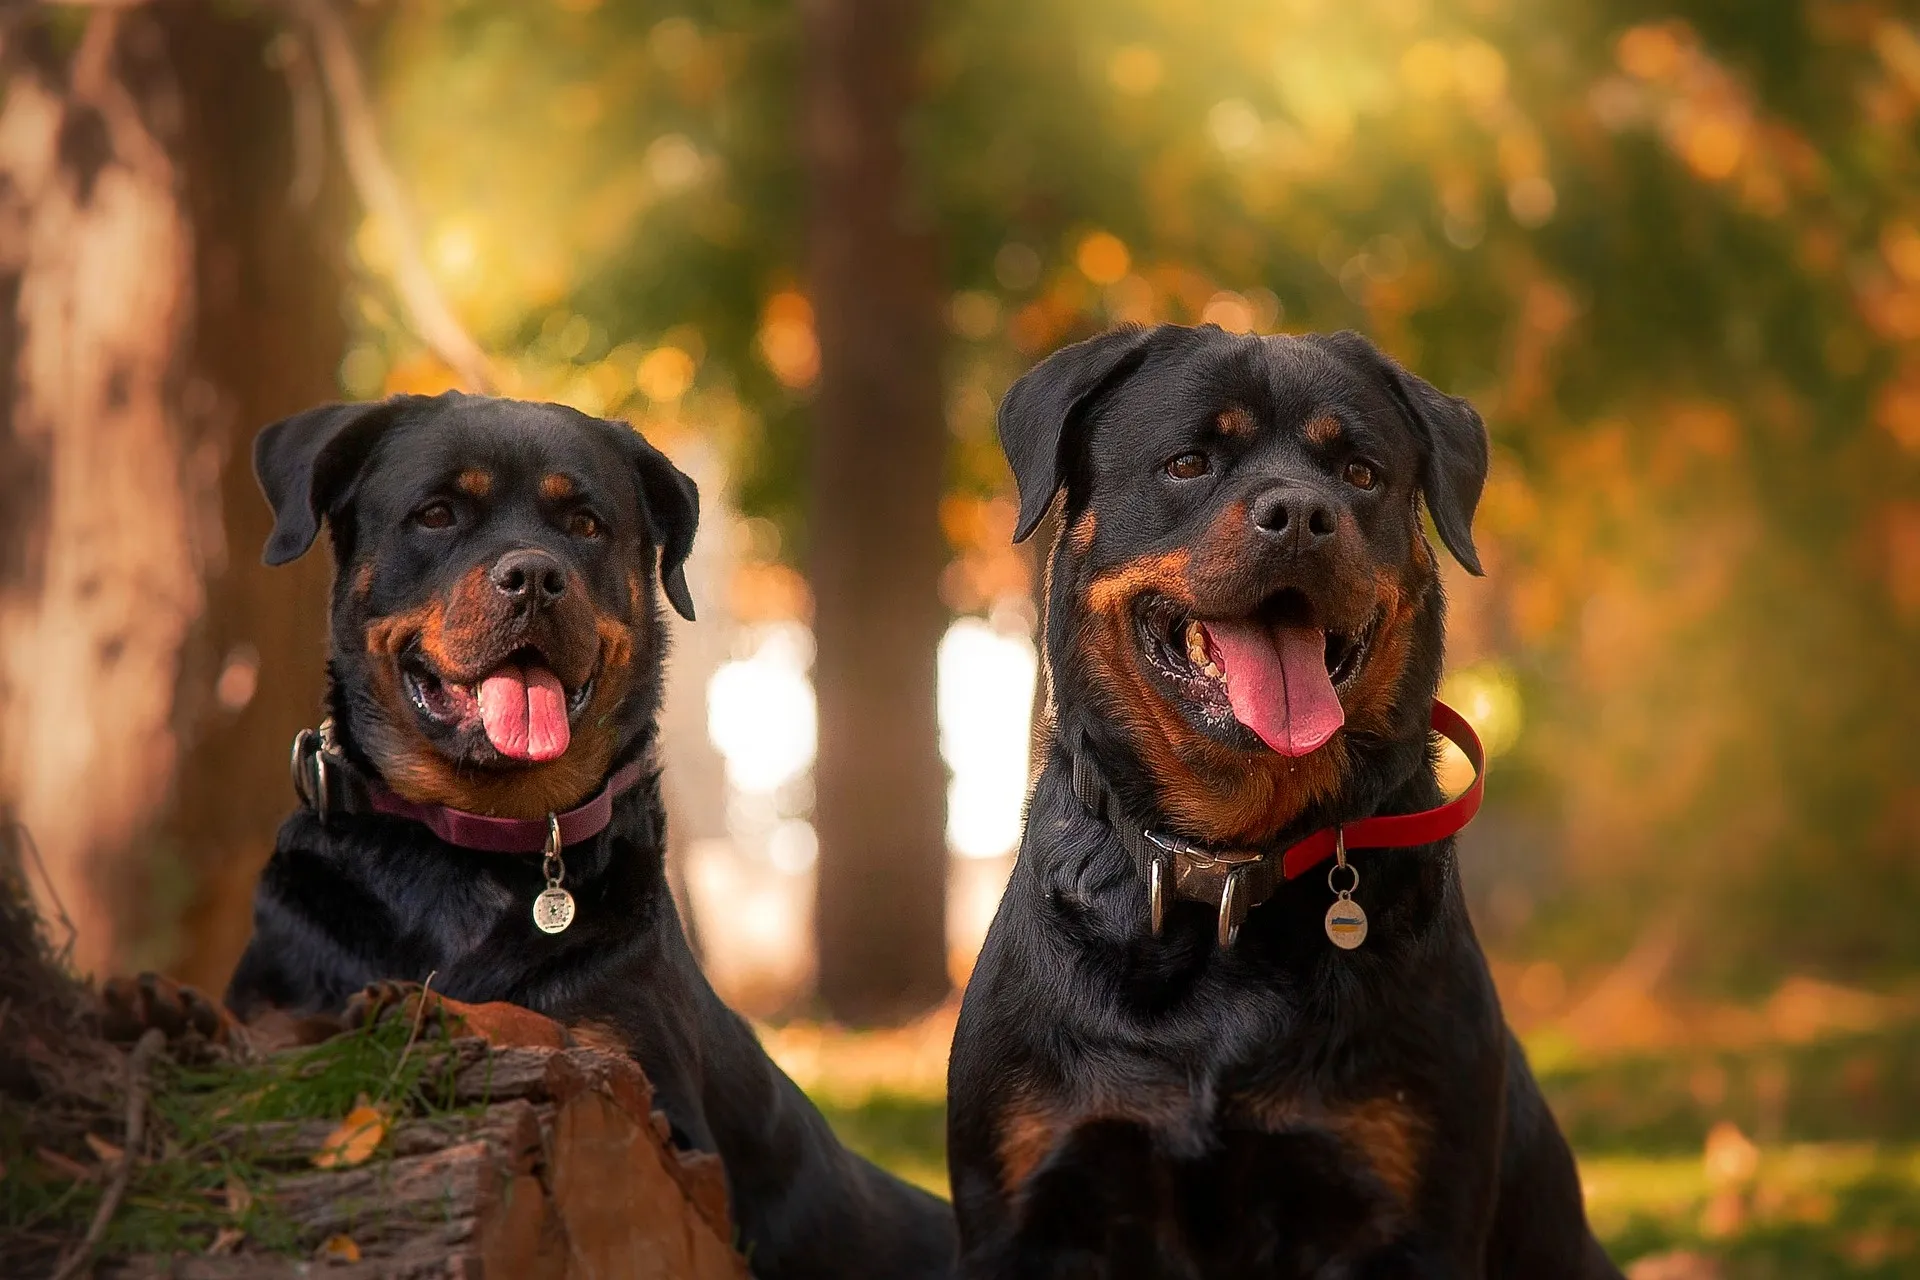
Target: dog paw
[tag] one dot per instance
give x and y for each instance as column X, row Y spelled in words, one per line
column 183, row 1014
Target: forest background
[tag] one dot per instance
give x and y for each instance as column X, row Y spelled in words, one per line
column 1670, row 249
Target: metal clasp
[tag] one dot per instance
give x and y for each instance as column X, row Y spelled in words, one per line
column 1340, row 863
column 1232, row 910
column 1158, row 873
column 551, row 866
column 1157, row 894
column 312, row 751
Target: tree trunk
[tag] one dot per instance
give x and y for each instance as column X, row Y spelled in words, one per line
column 879, row 455
column 166, row 300
column 101, row 549
column 270, row 217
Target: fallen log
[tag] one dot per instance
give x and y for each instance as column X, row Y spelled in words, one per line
column 389, row 1150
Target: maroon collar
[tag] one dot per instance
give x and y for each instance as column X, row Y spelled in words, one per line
column 328, row 783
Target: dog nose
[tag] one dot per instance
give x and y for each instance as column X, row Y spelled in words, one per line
column 1300, row 514
column 531, row 578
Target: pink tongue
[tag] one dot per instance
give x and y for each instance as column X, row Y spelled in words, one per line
column 1277, row 682
column 525, row 713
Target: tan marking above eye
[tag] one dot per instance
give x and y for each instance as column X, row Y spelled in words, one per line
column 1323, row 430
column 474, row 482
column 1236, row 422
column 556, row 486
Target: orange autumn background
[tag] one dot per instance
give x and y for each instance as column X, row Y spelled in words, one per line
column 1670, row 250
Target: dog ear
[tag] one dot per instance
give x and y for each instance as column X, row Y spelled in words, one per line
column 303, row 462
column 1040, row 410
column 1453, row 461
column 672, row 503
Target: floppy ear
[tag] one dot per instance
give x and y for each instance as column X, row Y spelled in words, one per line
column 1453, row 461
column 1047, row 400
column 672, row 501
column 304, row 461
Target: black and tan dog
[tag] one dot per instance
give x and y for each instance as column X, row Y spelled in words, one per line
column 496, row 647
column 1156, row 1073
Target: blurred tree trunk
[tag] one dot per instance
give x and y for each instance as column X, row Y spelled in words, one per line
column 159, row 302
column 879, row 455
column 100, row 579
column 270, row 220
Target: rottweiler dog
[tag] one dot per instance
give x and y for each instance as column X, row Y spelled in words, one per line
column 1164, row 1064
column 496, row 643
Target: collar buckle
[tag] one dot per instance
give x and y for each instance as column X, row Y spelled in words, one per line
column 315, row 755
column 1233, row 881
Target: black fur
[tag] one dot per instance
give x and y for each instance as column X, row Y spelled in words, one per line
column 366, row 899
column 1196, row 1108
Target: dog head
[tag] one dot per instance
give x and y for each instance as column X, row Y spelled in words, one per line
column 1242, row 591
column 495, row 635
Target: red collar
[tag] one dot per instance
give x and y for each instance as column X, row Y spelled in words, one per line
column 1233, row 881
column 1402, row 830
column 328, row 783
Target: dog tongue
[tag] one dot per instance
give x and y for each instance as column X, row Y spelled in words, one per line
column 1277, row 682
column 525, row 713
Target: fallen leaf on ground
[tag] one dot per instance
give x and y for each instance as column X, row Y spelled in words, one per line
column 338, row 1249
column 65, row 1166
column 103, row 1150
column 239, row 1198
column 226, row 1241
column 356, row 1138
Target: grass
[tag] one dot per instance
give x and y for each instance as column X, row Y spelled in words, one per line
column 222, row 1145
column 1779, row 1141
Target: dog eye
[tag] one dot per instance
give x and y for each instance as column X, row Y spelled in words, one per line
column 435, row 515
column 1360, row 475
column 1189, row 466
column 584, row 524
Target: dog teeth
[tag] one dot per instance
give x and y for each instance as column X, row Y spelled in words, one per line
column 1196, row 637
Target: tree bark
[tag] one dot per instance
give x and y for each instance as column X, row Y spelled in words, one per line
column 100, row 554
column 879, row 455
column 165, row 300
column 270, row 218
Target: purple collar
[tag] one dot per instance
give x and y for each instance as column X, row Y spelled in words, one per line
column 328, row 784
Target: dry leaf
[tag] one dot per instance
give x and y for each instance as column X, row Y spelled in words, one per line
column 239, row 1198
column 226, row 1242
column 65, row 1166
column 356, row 1138
column 104, row 1151
column 338, row 1249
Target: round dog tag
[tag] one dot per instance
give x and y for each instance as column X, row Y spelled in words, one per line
column 553, row 909
column 1346, row 923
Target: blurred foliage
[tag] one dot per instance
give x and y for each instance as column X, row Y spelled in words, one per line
column 1672, row 251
